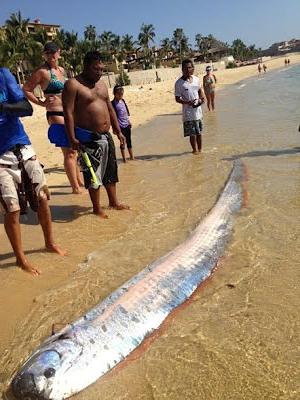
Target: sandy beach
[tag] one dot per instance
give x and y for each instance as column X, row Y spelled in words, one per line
column 145, row 102
column 75, row 228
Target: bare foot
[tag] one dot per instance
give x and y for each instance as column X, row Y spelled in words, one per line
column 27, row 267
column 195, row 152
column 100, row 213
column 119, row 207
column 132, row 159
column 77, row 191
column 54, row 248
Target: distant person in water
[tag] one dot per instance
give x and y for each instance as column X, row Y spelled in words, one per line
column 285, row 62
column 209, row 86
column 22, row 179
column 259, row 68
column 264, row 68
column 51, row 77
column 87, row 105
column 123, row 114
column 189, row 93
column 288, row 61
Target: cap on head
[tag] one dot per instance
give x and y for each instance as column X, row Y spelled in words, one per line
column 208, row 68
column 51, row 47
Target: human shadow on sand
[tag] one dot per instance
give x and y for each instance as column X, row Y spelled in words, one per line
column 59, row 214
column 57, row 170
column 263, row 153
column 60, row 192
column 168, row 115
column 12, row 264
column 150, row 157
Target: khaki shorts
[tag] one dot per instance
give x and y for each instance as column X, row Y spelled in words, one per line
column 11, row 177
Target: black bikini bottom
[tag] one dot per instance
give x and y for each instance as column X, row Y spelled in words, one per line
column 54, row 113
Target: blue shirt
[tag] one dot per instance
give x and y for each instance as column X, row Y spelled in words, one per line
column 11, row 129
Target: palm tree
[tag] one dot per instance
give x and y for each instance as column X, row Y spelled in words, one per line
column 18, row 43
column 128, row 43
column 180, row 42
column 239, row 49
column 146, row 36
column 106, row 44
column 204, row 44
column 16, row 22
column 90, row 33
column 70, row 49
column 166, row 47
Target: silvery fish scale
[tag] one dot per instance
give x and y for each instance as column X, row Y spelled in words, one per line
column 82, row 352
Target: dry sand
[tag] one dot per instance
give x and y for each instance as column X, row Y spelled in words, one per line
column 19, row 289
column 145, row 103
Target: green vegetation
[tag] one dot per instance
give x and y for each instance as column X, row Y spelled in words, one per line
column 123, row 78
column 231, row 64
column 21, row 50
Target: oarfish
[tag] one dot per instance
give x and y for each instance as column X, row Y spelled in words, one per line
column 83, row 351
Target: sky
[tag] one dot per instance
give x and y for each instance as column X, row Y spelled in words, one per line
column 259, row 22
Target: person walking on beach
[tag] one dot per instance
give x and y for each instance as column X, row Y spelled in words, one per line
column 259, row 68
column 21, row 175
column 189, row 93
column 264, row 68
column 87, row 106
column 122, row 112
column 51, row 77
column 209, row 85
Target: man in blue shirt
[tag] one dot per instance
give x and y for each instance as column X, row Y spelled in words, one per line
column 22, row 178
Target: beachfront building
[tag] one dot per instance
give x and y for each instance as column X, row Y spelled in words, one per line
column 280, row 48
column 213, row 54
column 50, row 29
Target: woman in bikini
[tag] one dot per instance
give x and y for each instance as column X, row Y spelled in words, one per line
column 51, row 79
column 209, row 85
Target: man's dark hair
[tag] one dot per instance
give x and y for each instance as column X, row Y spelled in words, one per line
column 116, row 88
column 186, row 62
column 91, row 57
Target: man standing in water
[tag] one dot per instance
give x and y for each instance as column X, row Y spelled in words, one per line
column 87, row 105
column 189, row 93
column 21, row 175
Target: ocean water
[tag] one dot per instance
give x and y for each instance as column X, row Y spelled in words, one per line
column 239, row 338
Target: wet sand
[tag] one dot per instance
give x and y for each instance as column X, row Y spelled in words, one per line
column 230, row 343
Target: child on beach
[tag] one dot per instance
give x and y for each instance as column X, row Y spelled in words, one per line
column 122, row 112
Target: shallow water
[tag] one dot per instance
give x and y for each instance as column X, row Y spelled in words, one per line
column 237, row 341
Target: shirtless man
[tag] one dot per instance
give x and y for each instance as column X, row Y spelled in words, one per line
column 87, row 106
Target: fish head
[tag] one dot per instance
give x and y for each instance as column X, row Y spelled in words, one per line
column 35, row 380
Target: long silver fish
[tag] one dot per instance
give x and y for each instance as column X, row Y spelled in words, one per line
column 82, row 352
